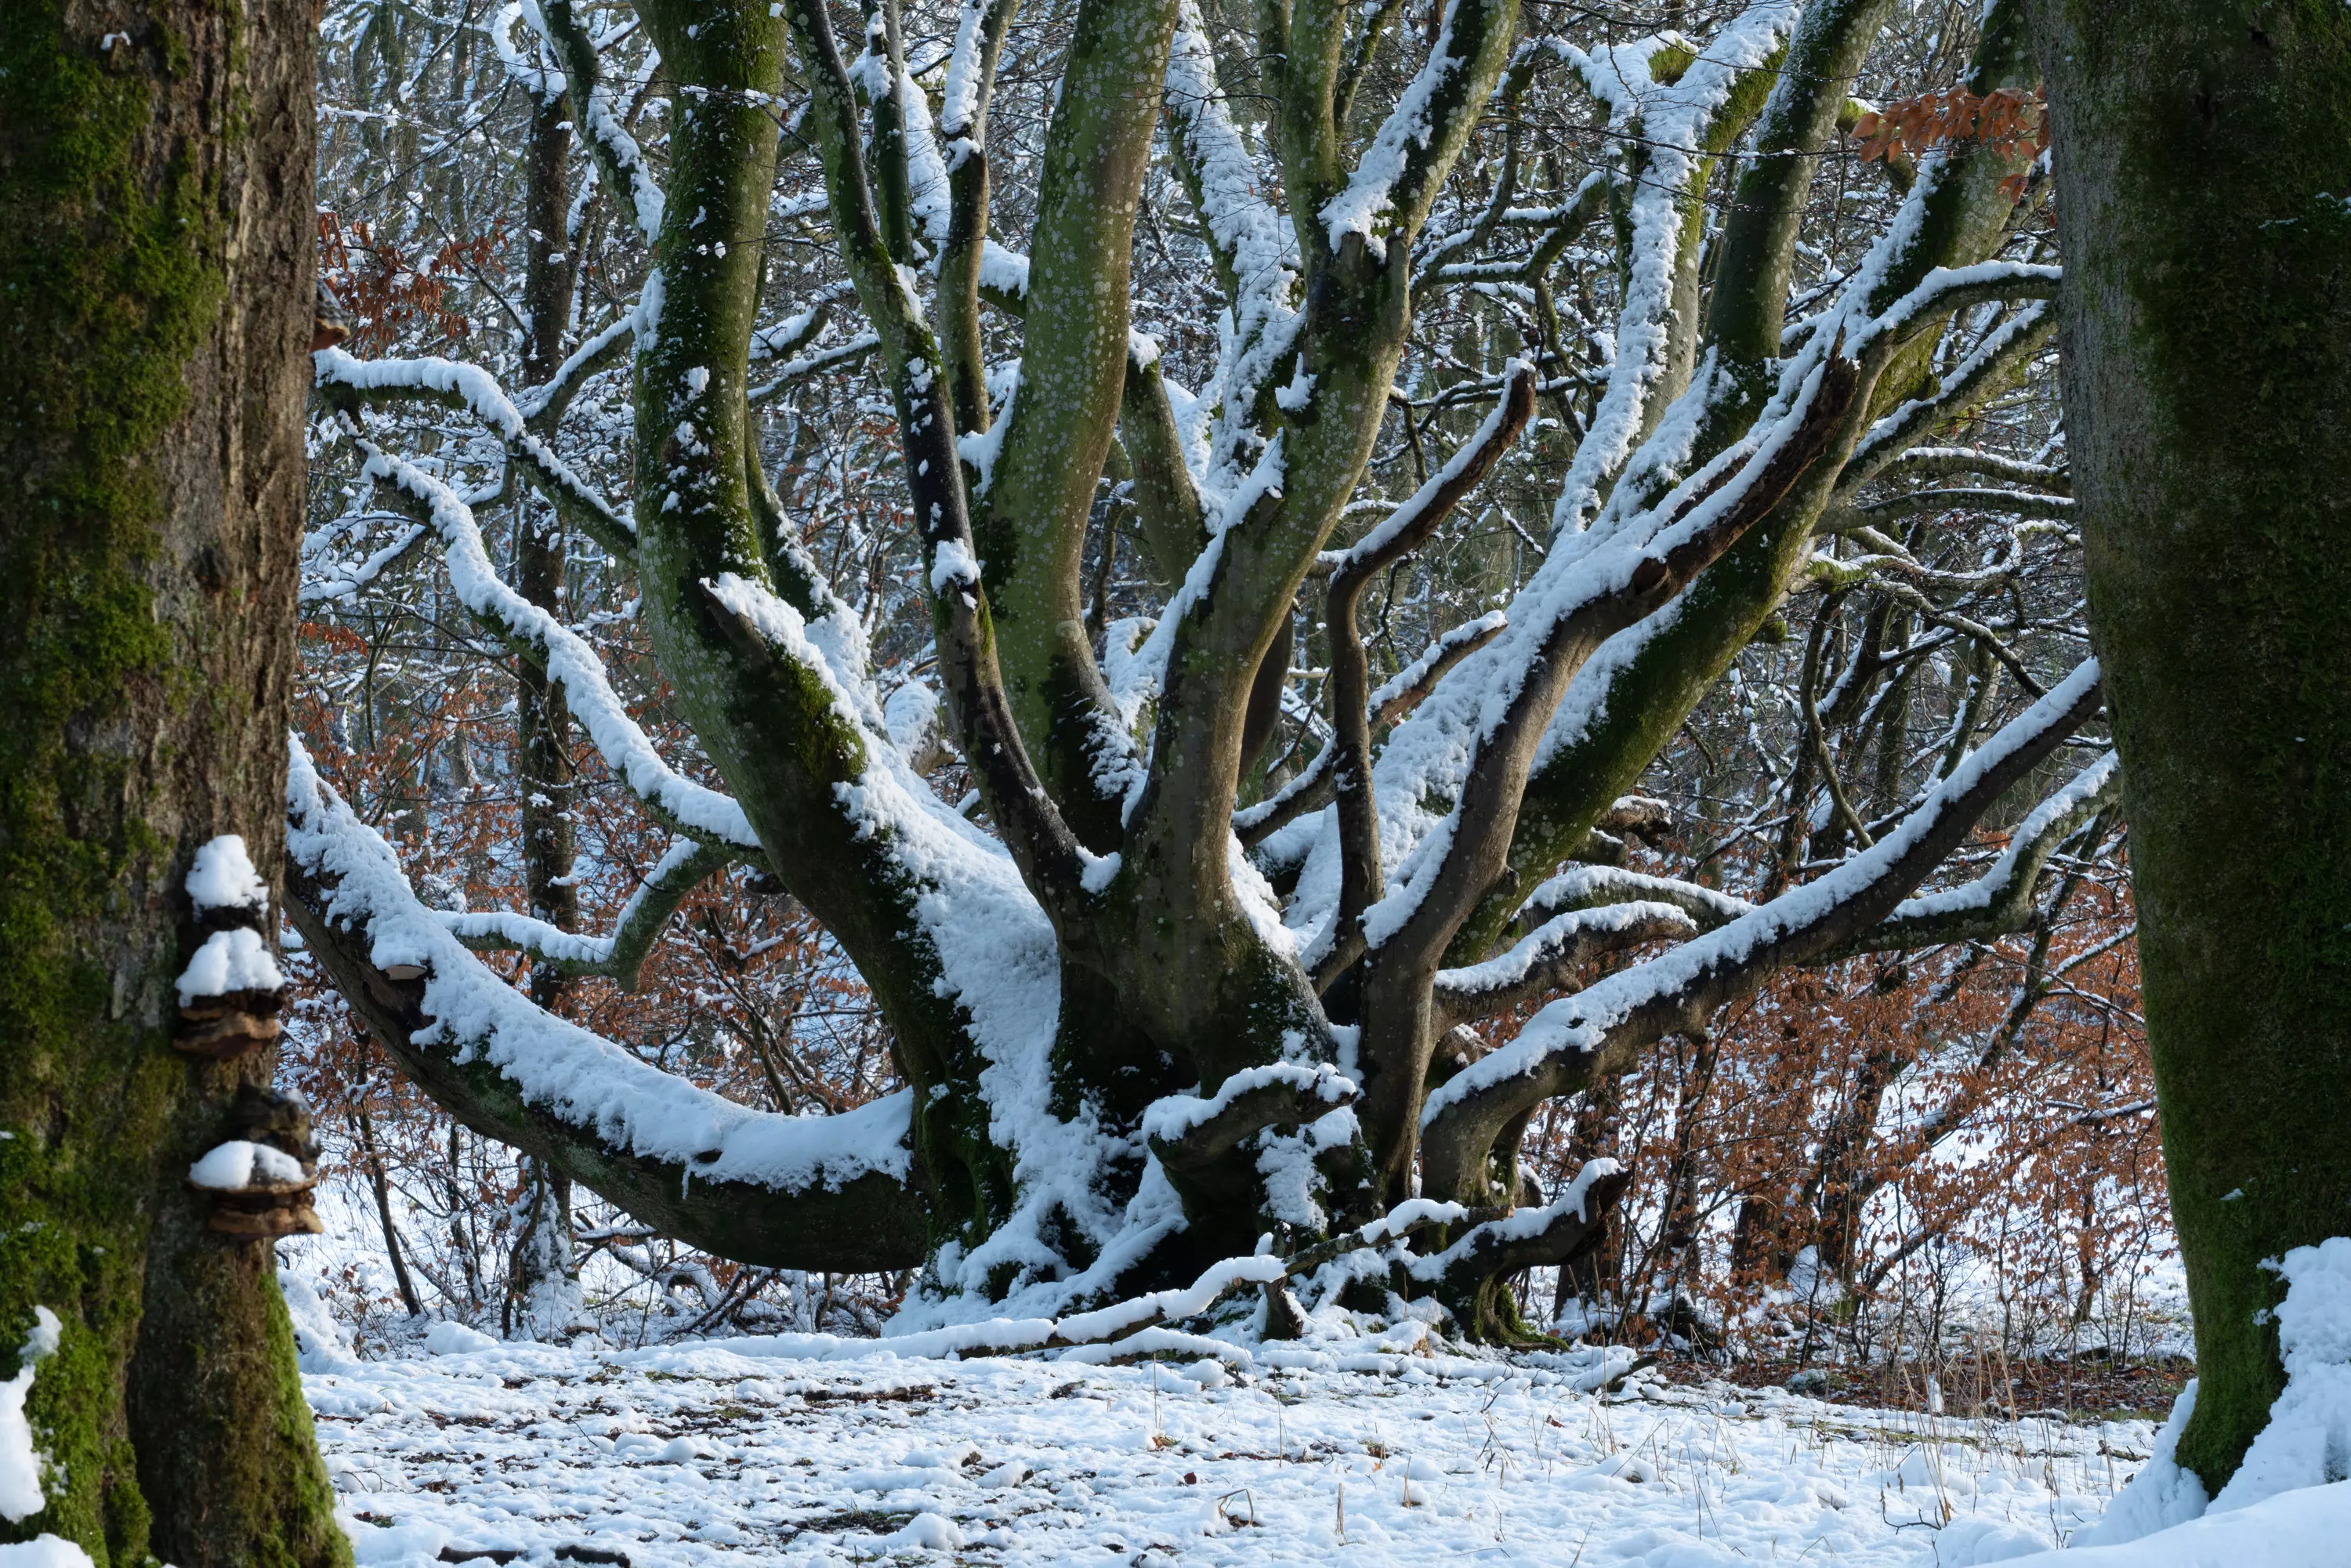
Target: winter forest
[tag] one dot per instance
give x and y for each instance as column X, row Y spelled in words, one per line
column 1210, row 781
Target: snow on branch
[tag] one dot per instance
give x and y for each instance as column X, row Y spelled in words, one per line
column 530, row 73
column 1194, row 1136
column 1550, row 956
column 1598, row 1030
column 617, row 153
column 1390, row 701
column 2012, row 341
column 2000, row 901
column 1559, row 1232
column 352, row 897
column 1253, row 247
column 1669, row 124
column 1595, row 886
column 685, row 866
column 1475, row 739
column 693, row 808
column 475, row 391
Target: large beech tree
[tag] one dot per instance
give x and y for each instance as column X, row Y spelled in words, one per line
column 2203, row 153
column 155, row 309
column 1150, row 998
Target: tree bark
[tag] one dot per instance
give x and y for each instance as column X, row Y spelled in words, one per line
column 155, row 308
column 2207, row 366
column 543, row 1273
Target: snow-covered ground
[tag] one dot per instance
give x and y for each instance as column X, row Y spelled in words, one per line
column 804, row 1449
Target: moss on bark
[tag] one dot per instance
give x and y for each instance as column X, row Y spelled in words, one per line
column 153, row 302
column 2203, row 156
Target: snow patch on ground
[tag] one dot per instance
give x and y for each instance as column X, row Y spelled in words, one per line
column 754, row 1450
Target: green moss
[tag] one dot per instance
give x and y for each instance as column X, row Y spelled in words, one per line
column 107, row 287
column 2203, row 155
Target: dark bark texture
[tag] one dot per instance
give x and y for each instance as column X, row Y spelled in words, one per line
column 155, row 306
column 2203, row 155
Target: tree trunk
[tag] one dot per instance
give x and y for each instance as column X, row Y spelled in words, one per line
column 155, row 304
column 2208, row 389
column 543, row 1274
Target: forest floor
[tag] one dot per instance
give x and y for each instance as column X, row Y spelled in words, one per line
column 801, row 1448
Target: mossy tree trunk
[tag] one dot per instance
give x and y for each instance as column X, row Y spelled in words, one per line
column 2203, row 155
column 155, row 255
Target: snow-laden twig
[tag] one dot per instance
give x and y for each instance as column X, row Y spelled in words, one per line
column 692, row 808
column 621, row 955
column 475, row 391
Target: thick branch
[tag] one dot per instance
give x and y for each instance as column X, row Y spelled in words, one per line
column 755, row 1186
column 1402, row 531
column 1547, row 958
column 2000, row 901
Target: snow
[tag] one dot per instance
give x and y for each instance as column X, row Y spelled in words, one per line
column 1370, row 190
column 238, row 1164
column 20, row 1460
column 554, row 1063
column 552, row 941
column 1982, row 893
column 1256, row 334
column 796, row 1450
column 452, row 1338
column 2308, row 1440
column 44, row 1551
column 229, row 961
column 1671, row 123
column 570, row 662
column 1580, row 1023
column 222, row 877
column 2306, row 1528
column 1176, row 1115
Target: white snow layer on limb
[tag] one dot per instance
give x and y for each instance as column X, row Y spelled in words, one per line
column 483, row 397
column 959, row 98
column 1384, row 533
column 1672, row 123
column 1982, row 893
column 1412, row 675
column 1430, row 754
column 222, row 877
column 1171, row 1116
column 1247, row 231
column 1582, row 1022
column 44, row 1551
column 235, row 960
column 20, row 1461
column 552, row 941
column 1586, row 887
column 1554, row 935
column 237, row 1164
column 601, row 120
column 1520, row 1224
column 996, row 949
column 570, row 662
column 1147, row 670
column 536, row 77
column 1371, row 190
column 578, row 1076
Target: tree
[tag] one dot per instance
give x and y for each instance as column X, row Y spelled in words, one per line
column 154, row 306
column 2208, row 371
column 1156, row 988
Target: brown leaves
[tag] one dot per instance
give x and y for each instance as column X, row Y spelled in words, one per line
column 2005, row 120
column 383, row 288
